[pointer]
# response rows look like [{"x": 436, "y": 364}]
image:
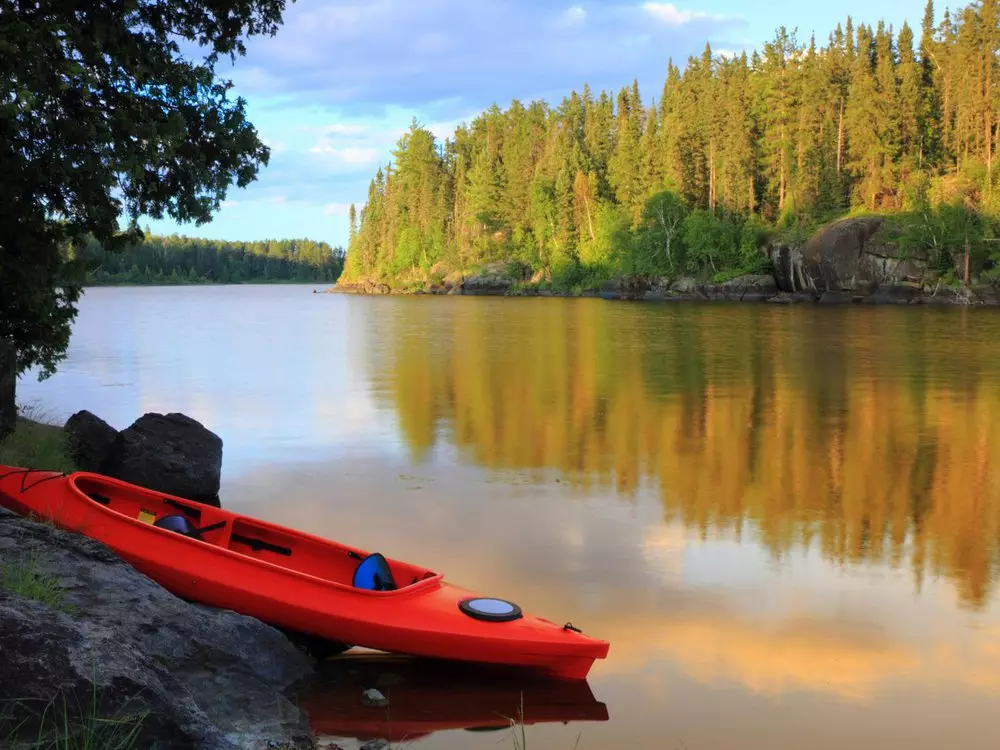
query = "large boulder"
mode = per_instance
[
  {"x": 848, "y": 256},
  {"x": 170, "y": 453},
  {"x": 89, "y": 441},
  {"x": 190, "y": 676}
]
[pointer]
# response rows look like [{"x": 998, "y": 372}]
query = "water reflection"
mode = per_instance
[
  {"x": 784, "y": 520},
  {"x": 427, "y": 697},
  {"x": 867, "y": 433}
]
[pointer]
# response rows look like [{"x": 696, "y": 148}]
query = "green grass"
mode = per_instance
[
  {"x": 35, "y": 444},
  {"x": 21, "y": 577},
  {"x": 60, "y": 728}
]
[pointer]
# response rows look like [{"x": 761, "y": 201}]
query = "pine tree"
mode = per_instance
[{"x": 791, "y": 131}]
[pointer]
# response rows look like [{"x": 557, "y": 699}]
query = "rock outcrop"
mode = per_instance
[
  {"x": 846, "y": 256},
  {"x": 189, "y": 676},
  {"x": 750, "y": 288},
  {"x": 493, "y": 280},
  {"x": 170, "y": 453},
  {"x": 89, "y": 441},
  {"x": 361, "y": 287}
]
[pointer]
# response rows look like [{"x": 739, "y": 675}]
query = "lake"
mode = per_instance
[{"x": 784, "y": 519}]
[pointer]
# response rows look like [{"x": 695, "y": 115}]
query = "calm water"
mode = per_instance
[{"x": 786, "y": 521}]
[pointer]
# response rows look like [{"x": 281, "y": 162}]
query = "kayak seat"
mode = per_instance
[{"x": 373, "y": 574}]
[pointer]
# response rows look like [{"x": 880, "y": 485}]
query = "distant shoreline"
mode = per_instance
[{"x": 255, "y": 282}]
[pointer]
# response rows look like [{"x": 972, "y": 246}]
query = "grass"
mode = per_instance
[
  {"x": 64, "y": 729},
  {"x": 36, "y": 444},
  {"x": 519, "y": 735},
  {"x": 21, "y": 576}
]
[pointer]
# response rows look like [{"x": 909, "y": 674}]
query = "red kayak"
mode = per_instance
[
  {"x": 295, "y": 581},
  {"x": 425, "y": 698}
]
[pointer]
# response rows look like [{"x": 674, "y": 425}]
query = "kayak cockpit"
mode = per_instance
[{"x": 259, "y": 540}]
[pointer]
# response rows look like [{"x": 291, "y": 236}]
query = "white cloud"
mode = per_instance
[
  {"x": 337, "y": 209},
  {"x": 365, "y": 55},
  {"x": 277, "y": 147},
  {"x": 574, "y": 15},
  {"x": 670, "y": 14},
  {"x": 354, "y": 155},
  {"x": 277, "y": 200}
]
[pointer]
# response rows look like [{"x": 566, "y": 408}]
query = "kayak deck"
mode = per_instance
[{"x": 294, "y": 551}]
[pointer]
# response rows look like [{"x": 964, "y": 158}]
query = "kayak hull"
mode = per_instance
[{"x": 291, "y": 579}]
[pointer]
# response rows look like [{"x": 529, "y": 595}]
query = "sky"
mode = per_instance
[{"x": 342, "y": 80}]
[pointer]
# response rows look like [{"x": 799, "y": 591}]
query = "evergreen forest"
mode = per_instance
[
  {"x": 733, "y": 152},
  {"x": 176, "y": 259}
]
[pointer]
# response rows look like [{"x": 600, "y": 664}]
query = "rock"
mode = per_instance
[
  {"x": 368, "y": 286},
  {"x": 717, "y": 293},
  {"x": 786, "y": 262},
  {"x": 847, "y": 255},
  {"x": 685, "y": 285},
  {"x": 625, "y": 288},
  {"x": 205, "y": 678},
  {"x": 492, "y": 280},
  {"x": 940, "y": 294},
  {"x": 89, "y": 440},
  {"x": 169, "y": 453},
  {"x": 895, "y": 294},
  {"x": 374, "y": 699},
  {"x": 984, "y": 294},
  {"x": 750, "y": 288}
]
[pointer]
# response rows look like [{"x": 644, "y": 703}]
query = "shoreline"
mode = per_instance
[
  {"x": 852, "y": 260},
  {"x": 742, "y": 289}
]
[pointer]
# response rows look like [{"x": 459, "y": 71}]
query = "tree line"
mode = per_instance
[
  {"x": 735, "y": 148},
  {"x": 177, "y": 259}
]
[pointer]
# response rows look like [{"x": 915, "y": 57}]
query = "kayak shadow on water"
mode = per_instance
[{"x": 426, "y": 696}]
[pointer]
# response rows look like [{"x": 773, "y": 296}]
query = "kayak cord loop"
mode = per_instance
[
  {"x": 26, "y": 472},
  {"x": 571, "y": 626}
]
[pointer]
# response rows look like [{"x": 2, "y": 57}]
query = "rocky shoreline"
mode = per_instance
[
  {"x": 849, "y": 261},
  {"x": 108, "y": 643},
  {"x": 89, "y": 646}
]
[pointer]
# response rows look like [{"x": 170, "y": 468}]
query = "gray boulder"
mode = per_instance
[
  {"x": 190, "y": 676},
  {"x": 89, "y": 441},
  {"x": 851, "y": 256},
  {"x": 169, "y": 453}
]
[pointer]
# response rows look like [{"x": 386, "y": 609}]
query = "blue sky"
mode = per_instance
[{"x": 342, "y": 79}]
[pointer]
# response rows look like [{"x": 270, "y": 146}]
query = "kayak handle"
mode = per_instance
[{"x": 571, "y": 626}]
